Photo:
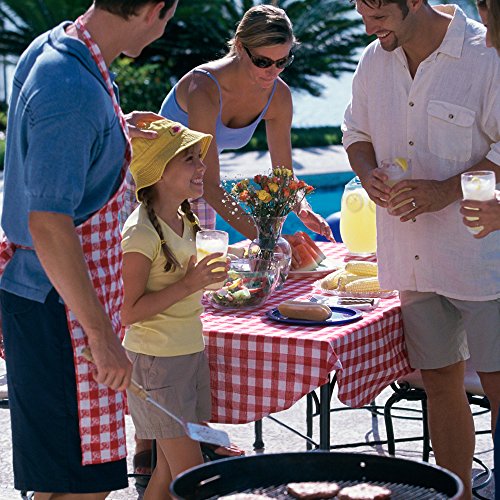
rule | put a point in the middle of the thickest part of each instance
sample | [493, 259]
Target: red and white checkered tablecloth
[259, 366]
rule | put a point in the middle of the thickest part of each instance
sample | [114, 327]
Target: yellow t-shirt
[177, 330]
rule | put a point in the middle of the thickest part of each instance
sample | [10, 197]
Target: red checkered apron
[101, 410]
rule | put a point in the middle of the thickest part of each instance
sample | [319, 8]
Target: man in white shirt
[428, 89]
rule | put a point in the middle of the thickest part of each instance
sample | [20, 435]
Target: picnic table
[259, 366]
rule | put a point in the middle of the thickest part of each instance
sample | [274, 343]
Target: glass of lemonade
[212, 241]
[480, 186]
[398, 169]
[357, 220]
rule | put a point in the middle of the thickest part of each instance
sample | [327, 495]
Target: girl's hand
[201, 274]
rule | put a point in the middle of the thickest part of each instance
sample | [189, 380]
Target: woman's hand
[138, 119]
[485, 213]
[201, 274]
[315, 222]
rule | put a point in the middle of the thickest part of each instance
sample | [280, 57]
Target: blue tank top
[226, 137]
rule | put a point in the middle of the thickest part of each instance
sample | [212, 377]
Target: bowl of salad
[249, 284]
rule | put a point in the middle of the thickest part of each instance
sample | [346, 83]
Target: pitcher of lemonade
[357, 220]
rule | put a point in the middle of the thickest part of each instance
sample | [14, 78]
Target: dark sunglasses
[265, 62]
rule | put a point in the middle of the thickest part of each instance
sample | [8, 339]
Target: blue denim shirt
[65, 148]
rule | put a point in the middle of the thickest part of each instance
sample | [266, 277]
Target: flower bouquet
[269, 199]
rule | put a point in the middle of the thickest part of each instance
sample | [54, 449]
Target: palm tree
[24, 20]
[328, 31]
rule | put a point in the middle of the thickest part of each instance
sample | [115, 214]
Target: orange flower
[244, 195]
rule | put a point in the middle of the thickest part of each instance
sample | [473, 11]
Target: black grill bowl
[269, 474]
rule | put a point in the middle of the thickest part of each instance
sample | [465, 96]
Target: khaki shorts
[179, 383]
[440, 331]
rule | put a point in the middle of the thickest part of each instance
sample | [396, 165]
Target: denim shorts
[43, 405]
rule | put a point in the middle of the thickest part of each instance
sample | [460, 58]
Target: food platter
[382, 294]
[340, 316]
[324, 268]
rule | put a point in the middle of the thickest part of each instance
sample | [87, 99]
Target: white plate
[326, 267]
[383, 294]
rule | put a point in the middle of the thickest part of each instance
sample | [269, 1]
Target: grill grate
[399, 491]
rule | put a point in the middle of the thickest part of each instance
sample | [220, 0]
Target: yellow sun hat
[150, 156]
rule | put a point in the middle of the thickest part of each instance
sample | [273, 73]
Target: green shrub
[301, 138]
[142, 87]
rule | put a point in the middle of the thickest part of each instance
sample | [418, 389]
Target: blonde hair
[263, 26]
[494, 22]
[146, 197]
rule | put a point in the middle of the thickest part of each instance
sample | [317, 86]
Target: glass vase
[270, 246]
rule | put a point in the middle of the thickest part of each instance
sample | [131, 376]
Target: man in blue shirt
[64, 157]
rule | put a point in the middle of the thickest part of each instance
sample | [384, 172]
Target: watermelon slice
[305, 255]
[319, 254]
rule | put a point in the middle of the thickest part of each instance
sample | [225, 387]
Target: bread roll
[304, 310]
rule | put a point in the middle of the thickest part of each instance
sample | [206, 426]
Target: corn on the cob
[331, 282]
[362, 268]
[347, 278]
[363, 285]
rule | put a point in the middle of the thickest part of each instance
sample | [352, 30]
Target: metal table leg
[258, 443]
[324, 416]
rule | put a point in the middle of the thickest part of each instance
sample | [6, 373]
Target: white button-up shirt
[445, 119]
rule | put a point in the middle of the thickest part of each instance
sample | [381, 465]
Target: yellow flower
[273, 187]
[287, 172]
[264, 196]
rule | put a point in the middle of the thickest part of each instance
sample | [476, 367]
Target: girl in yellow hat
[162, 305]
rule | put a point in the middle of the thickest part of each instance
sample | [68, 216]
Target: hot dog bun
[304, 310]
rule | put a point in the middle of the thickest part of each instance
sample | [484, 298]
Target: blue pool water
[325, 200]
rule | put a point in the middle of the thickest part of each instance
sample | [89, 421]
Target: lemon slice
[401, 163]
[354, 202]
[475, 183]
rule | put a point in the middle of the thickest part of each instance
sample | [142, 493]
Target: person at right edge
[428, 89]
[488, 214]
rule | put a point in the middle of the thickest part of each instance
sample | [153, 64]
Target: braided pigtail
[186, 208]
[146, 197]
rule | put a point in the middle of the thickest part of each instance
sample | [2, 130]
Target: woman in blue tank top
[228, 97]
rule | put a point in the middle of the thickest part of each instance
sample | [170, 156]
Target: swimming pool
[325, 201]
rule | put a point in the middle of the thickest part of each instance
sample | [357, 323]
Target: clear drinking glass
[480, 186]
[212, 241]
[397, 169]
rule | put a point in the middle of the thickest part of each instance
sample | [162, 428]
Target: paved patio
[350, 426]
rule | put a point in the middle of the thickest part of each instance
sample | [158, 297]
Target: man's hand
[374, 183]
[113, 368]
[138, 119]
[421, 196]
[484, 213]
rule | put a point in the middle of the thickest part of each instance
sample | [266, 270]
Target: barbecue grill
[269, 474]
